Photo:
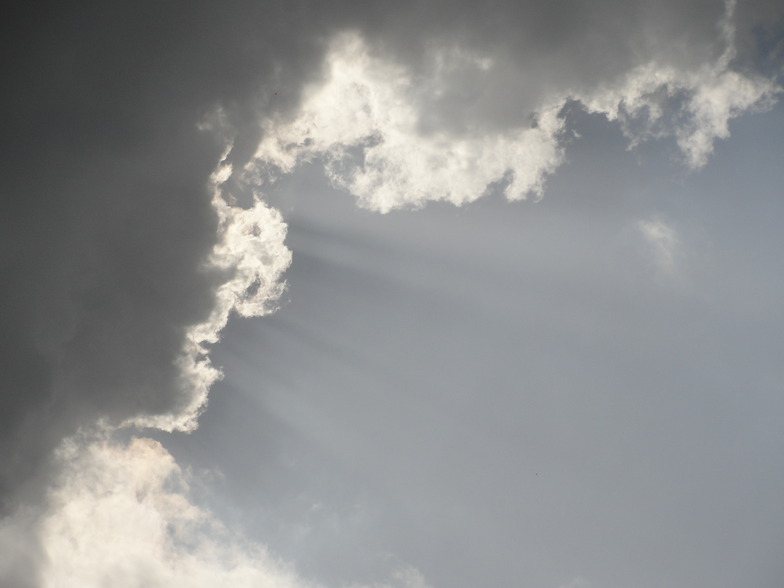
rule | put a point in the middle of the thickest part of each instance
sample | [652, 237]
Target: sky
[412, 295]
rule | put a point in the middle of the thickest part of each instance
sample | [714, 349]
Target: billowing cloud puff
[370, 119]
[695, 105]
[122, 515]
[365, 122]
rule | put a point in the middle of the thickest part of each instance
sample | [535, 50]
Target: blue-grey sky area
[519, 394]
[416, 295]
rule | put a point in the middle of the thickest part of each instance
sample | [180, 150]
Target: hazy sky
[516, 277]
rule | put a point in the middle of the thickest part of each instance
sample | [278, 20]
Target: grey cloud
[568, 47]
[106, 219]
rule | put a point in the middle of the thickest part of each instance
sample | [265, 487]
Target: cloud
[252, 254]
[122, 515]
[379, 124]
[139, 138]
[117, 319]
[694, 105]
[663, 242]
[364, 121]
[120, 263]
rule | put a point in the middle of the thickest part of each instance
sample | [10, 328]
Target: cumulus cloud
[377, 123]
[694, 105]
[120, 262]
[122, 515]
[252, 255]
[364, 121]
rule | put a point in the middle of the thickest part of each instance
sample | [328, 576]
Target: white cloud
[122, 516]
[252, 253]
[658, 100]
[371, 120]
[364, 120]
[662, 239]
[694, 105]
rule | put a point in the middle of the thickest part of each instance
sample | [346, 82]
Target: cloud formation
[139, 138]
[121, 516]
[659, 99]
[364, 121]
[379, 122]
[124, 263]
[113, 245]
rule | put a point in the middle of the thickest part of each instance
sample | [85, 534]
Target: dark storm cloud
[106, 219]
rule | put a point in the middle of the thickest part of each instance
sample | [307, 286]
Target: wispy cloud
[364, 121]
[663, 242]
[662, 98]
[123, 515]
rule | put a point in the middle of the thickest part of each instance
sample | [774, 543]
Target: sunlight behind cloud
[370, 121]
[661, 99]
[364, 122]
[252, 255]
